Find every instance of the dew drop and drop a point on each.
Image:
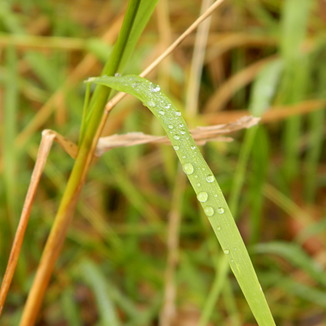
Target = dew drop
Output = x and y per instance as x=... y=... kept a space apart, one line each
x=170 y=126
x=134 y=85
x=188 y=168
x=155 y=88
x=209 y=211
x=117 y=74
x=198 y=184
x=176 y=137
x=167 y=106
x=181 y=125
x=220 y=210
x=210 y=178
x=176 y=147
x=161 y=112
x=196 y=176
x=182 y=132
x=202 y=197
x=193 y=147
x=215 y=196
x=226 y=251
x=151 y=104
x=218 y=228
x=177 y=113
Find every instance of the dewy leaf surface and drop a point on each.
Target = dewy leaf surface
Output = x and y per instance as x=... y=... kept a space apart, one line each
x=204 y=183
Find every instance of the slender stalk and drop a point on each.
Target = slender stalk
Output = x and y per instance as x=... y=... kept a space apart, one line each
x=76 y=180
x=197 y=63
x=42 y=155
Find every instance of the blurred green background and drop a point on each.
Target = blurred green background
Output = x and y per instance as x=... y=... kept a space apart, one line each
x=138 y=234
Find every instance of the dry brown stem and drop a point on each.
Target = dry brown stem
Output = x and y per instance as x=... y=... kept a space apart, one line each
x=200 y=134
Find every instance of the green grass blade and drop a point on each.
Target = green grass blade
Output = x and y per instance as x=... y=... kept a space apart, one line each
x=137 y=16
x=221 y=272
x=303 y=291
x=70 y=308
x=294 y=23
x=101 y=94
x=94 y=277
x=204 y=183
x=112 y=300
x=264 y=88
x=260 y=159
x=144 y=12
x=316 y=121
x=9 y=134
x=315 y=229
x=261 y=96
x=296 y=255
x=295 y=80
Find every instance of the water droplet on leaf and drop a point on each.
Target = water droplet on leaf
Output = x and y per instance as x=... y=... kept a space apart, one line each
x=202 y=197
x=209 y=211
x=210 y=178
x=188 y=168
x=155 y=88
x=134 y=85
x=220 y=210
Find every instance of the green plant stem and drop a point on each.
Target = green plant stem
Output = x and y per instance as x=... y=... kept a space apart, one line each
x=76 y=179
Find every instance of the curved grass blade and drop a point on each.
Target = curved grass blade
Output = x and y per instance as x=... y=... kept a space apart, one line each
x=294 y=254
x=204 y=183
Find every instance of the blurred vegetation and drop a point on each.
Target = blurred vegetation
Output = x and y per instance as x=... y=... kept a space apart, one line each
x=263 y=57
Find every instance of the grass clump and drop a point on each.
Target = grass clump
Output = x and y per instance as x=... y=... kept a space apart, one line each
x=138 y=249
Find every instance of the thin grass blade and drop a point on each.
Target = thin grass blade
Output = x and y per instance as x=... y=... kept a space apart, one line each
x=94 y=277
x=205 y=185
x=294 y=254
x=294 y=84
